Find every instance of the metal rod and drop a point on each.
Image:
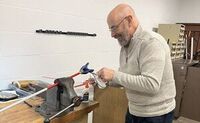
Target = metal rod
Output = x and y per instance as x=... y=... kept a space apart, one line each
x=35 y=94
x=79 y=85
x=47 y=77
x=197 y=46
x=23 y=99
x=52 y=117
x=191 y=51
x=65 y=33
x=186 y=50
x=74 y=86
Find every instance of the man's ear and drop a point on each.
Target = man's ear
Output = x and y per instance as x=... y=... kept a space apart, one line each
x=129 y=19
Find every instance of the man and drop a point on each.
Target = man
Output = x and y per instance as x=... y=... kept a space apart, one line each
x=145 y=69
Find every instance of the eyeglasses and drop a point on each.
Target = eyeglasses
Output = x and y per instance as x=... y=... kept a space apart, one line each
x=115 y=27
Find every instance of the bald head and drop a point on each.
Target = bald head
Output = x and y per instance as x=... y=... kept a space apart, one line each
x=122 y=23
x=119 y=12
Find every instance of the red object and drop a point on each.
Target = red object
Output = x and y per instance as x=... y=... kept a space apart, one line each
x=85 y=83
x=55 y=84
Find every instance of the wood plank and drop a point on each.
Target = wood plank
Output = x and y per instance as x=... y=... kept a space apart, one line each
x=22 y=113
x=113 y=105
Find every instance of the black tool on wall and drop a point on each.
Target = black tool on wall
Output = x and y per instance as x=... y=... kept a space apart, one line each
x=65 y=33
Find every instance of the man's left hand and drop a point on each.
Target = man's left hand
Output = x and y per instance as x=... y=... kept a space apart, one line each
x=106 y=74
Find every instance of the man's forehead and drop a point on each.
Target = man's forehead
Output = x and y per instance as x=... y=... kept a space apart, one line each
x=112 y=20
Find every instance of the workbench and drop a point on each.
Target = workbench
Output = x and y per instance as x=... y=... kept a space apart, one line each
x=23 y=113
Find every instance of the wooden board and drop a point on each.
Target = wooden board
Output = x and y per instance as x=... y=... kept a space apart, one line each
x=113 y=105
x=22 y=113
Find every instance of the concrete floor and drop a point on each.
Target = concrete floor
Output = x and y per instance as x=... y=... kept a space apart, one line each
x=184 y=120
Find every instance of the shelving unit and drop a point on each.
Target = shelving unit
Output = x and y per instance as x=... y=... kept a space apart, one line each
x=174 y=35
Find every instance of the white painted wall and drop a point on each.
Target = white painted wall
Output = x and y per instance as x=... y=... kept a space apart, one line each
x=189 y=11
x=27 y=55
x=153 y=12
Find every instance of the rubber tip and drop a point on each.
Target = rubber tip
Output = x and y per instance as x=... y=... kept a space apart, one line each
x=47 y=120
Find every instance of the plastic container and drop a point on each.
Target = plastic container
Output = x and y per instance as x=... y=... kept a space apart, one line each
x=85 y=98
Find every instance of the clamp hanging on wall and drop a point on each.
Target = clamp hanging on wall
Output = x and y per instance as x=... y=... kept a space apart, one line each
x=65 y=33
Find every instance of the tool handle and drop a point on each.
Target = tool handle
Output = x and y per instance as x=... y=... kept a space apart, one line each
x=76 y=74
x=55 y=84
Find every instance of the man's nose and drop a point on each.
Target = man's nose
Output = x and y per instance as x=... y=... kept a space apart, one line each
x=113 y=34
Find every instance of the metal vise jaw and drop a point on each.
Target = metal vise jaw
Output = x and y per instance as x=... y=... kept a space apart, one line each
x=58 y=98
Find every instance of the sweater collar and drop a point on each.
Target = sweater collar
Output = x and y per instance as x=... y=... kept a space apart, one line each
x=137 y=33
x=134 y=38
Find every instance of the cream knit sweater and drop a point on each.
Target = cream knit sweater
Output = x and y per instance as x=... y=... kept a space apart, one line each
x=146 y=74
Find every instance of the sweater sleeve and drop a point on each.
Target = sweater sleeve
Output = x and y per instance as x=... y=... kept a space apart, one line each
x=151 y=64
x=114 y=84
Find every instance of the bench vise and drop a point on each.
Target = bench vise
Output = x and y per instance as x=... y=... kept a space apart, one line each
x=58 y=98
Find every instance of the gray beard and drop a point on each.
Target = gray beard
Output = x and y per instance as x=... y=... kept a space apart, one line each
x=123 y=43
